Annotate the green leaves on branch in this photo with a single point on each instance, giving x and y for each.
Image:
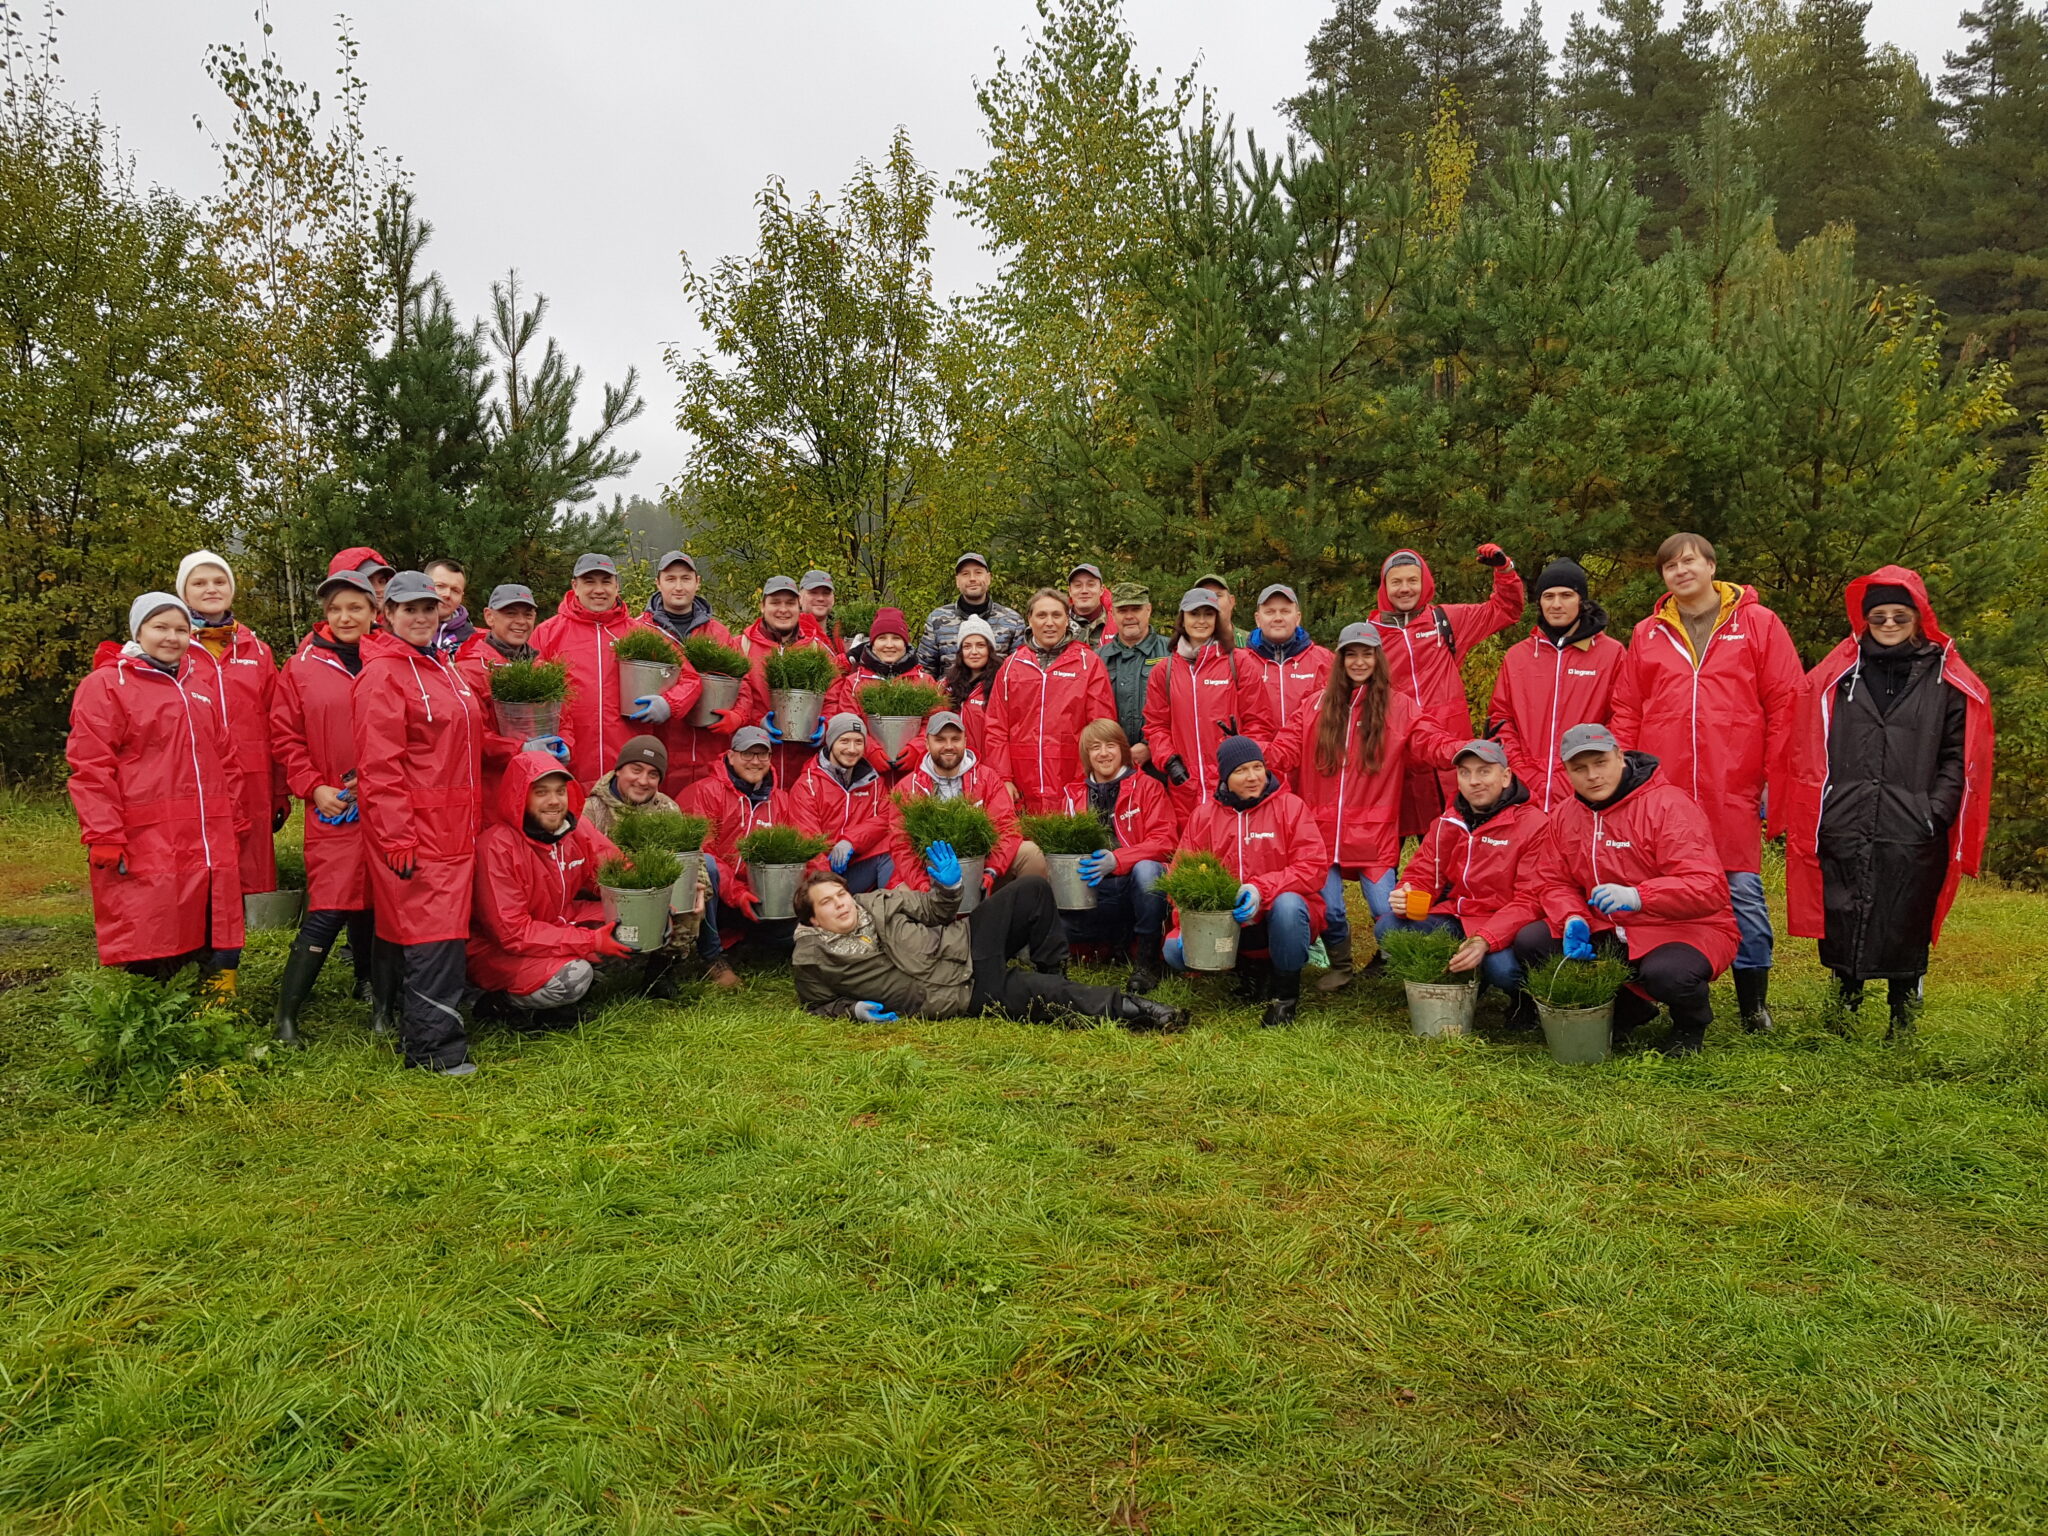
(640, 831)
(647, 869)
(644, 643)
(714, 660)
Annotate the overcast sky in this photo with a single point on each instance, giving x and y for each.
(588, 143)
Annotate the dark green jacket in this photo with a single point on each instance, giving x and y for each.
(908, 955)
(1129, 668)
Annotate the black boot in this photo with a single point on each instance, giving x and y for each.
(1632, 1010)
(1906, 999)
(1338, 976)
(301, 970)
(1286, 1000)
(1141, 1014)
(387, 980)
(1148, 969)
(1752, 1000)
(1254, 981)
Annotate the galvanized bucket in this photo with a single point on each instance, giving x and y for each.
(972, 869)
(1577, 1035)
(1070, 893)
(642, 916)
(524, 721)
(775, 884)
(683, 894)
(1208, 940)
(639, 678)
(720, 692)
(797, 711)
(894, 732)
(268, 911)
(1441, 1008)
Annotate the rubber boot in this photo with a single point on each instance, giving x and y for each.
(1142, 1015)
(301, 970)
(1907, 997)
(1632, 1010)
(1752, 1000)
(1254, 980)
(387, 978)
(1148, 967)
(1338, 976)
(1286, 1000)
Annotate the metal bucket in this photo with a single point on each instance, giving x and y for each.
(523, 722)
(642, 916)
(638, 678)
(775, 884)
(269, 911)
(682, 899)
(1208, 940)
(720, 692)
(797, 711)
(1070, 893)
(894, 732)
(971, 871)
(1441, 1008)
(1577, 1035)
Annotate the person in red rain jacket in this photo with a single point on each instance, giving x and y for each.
(239, 673)
(884, 655)
(1291, 668)
(1886, 796)
(741, 797)
(1476, 869)
(598, 720)
(509, 620)
(970, 681)
(1630, 855)
(1561, 676)
(1128, 913)
(951, 772)
(782, 624)
(158, 791)
(365, 562)
(312, 724)
(419, 733)
(1711, 685)
(1427, 643)
(1198, 696)
(840, 797)
(678, 608)
(1049, 687)
(1354, 753)
(539, 931)
(1268, 839)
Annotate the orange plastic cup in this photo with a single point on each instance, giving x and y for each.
(1418, 906)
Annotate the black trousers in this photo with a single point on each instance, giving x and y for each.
(1022, 916)
(1676, 975)
(423, 983)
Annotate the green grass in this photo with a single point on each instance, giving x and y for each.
(719, 1266)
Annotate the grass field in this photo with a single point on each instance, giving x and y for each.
(727, 1268)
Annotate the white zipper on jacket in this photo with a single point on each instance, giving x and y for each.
(1550, 740)
(192, 742)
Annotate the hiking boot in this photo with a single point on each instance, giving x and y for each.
(1752, 1000)
(720, 974)
(1339, 975)
(1684, 1040)
(1141, 1015)
(1286, 1000)
(1148, 969)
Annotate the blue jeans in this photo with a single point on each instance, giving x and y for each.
(1124, 908)
(1499, 969)
(1337, 922)
(1282, 931)
(869, 874)
(1752, 920)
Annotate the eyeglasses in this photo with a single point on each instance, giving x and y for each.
(1890, 621)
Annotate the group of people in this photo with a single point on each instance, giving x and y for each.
(1615, 795)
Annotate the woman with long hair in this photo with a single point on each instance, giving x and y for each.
(1196, 698)
(1354, 753)
(971, 679)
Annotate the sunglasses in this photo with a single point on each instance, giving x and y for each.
(1883, 621)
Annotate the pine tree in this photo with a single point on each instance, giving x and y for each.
(1372, 69)
(1463, 47)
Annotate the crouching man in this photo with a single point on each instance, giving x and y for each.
(1631, 856)
(895, 952)
(538, 932)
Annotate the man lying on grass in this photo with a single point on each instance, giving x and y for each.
(889, 953)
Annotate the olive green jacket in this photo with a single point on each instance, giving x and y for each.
(907, 954)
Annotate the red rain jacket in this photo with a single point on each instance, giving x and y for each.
(531, 897)
(1656, 840)
(1358, 811)
(1719, 728)
(732, 816)
(312, 724)
(1543, 690)
(476, 659)
(419, 733)
(1425, 667)
(353, 558)
(596, 728)
(859, 814)
(1144, 826)
(1035, 715)
(845, 697)
(153, 772)
(1290, 684)
(242, 682)
(1795, 810)
(695, 751)
(1275, 846)
(985, 787)
(1484, 877)
(789, 757)
(1190, 707)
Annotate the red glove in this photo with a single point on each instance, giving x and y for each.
(108, 857)
(401, 862)
(608, 946)
(1492, 554)
(746, 903)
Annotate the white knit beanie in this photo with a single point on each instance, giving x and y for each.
(200, 557)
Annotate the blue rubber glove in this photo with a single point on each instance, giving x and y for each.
(1097, 866)
(1612, 899)
(842, 855)
(768, 724)
(1578, 939)
(873, 1013)
(943, 865)
(554, 746)
(651, 708)
(1247, 906)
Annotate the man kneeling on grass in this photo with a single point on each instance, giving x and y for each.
(889, 953)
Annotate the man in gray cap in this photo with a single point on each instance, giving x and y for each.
(741, 797)
(509, 618)
(951, 771)
(1474, 874)
(815, 590)
(1129, 655)
(1291, 668)
(1630, 860)
(678, 604)
(841, 797)
(941, 641)
(1088, 615)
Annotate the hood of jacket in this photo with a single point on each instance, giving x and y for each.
(520, 776)
(1387, 613)
(808, 629)
(1591, 623)
(1894, 576)
(862, 656)
(1296, 644)
(681, 625)
(381, 642)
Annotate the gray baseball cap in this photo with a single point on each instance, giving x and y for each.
(1360, 634)
(942, 719)
(1486, 751)
(1085, 568)
(1280, 589)
(749, 738)
(510, 595)
(813, 579)
(1586, 738)
(349, 581)
(1197, 597)
(674, 557)
(775, 584)
(591, 565)
(410, 587)
(971, 558)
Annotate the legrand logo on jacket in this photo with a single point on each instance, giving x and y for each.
(1575, 672)
(1731, 634)
(1260, 837)
(1215, 682)
(1066, 674)
(1610, 842)
(202, 698)
(1496, 842)
(243, 661)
